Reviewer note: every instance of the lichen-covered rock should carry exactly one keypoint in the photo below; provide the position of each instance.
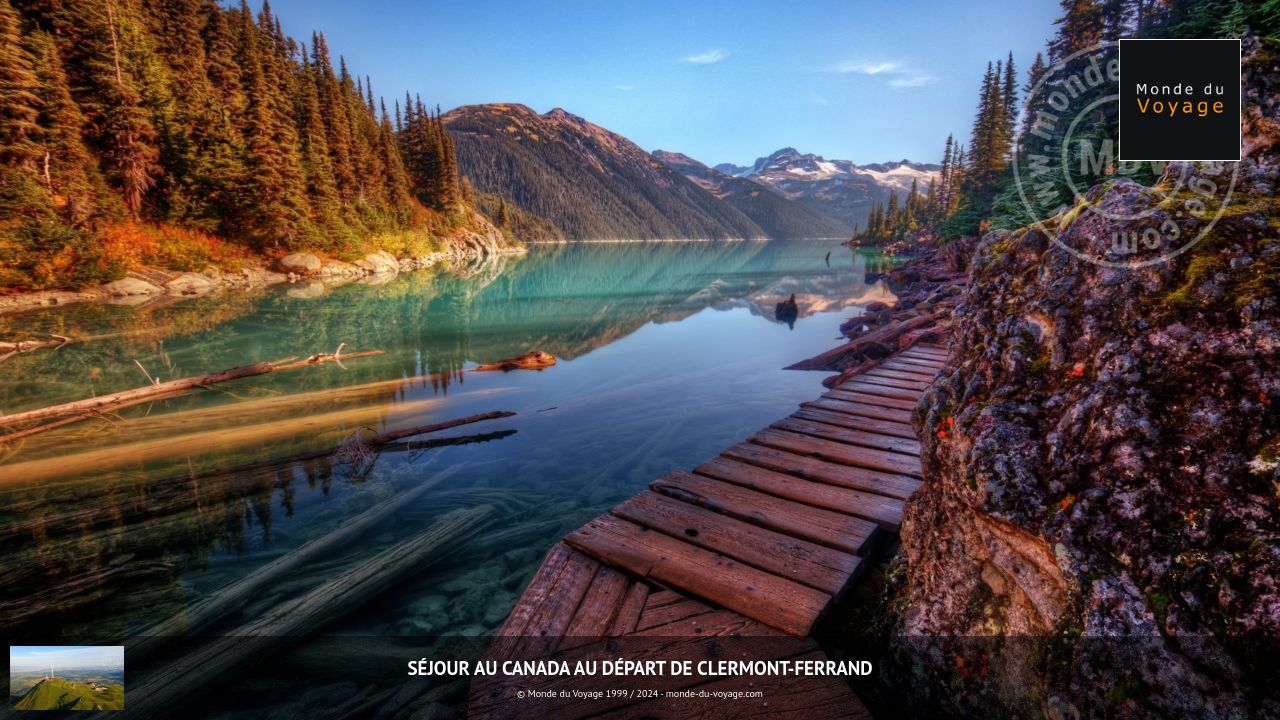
(1099, 530)
(131, 286)
(189, 283)
(299, 263)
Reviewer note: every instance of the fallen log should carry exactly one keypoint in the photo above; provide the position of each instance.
(831, 359)
(233, 597)
(96, 406)
(177, 681)
(9, 348)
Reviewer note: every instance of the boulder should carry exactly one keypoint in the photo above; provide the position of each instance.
(299, 263)
(189, 283)
(131, 286)
(379, 263)
(339, 269)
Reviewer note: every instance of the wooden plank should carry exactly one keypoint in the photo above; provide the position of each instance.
(877, 400)
(630, 610)
(882, 427)
(849, 436)
(874, 481)
(870, 411)
(595, 616)
(548, 624)
(673, 612)
(926, 363)
(774, 601)
(924, 354)
(879, 508)
(917, 370)
(855, 386)
(536, 591)
(795, 519)
(838, 452)
(917, 385)
(889, 372)
(781, 696)
(819, 567)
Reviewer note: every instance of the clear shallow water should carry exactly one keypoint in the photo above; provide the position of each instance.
(668, 353)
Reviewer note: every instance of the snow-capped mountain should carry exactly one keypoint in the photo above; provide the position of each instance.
(837, 188)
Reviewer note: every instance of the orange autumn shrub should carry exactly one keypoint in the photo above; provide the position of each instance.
(132, 244)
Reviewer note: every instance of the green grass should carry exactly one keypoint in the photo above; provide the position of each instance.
(60, 694)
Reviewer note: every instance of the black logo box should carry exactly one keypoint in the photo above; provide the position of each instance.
(1193, 63)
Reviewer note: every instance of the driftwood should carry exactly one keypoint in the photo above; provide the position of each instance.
(96, 406)
(8, 348)
(535, 360)
(176, 682)
(233, 597)
(834, 358)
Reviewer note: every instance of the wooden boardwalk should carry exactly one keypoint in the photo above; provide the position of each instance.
(756, 543)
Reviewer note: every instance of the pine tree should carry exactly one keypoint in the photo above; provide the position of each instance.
(19, 95)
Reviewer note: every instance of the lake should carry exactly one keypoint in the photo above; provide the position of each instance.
(668, 352)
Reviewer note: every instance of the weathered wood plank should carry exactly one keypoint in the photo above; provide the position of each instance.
(774, 601)
(837, 452)
(915, 370)
(927, 363)
(916, 385)
(877, 400)
(536, 591)
(879, 508)
(890, 372)
(853, 408)
(599, 607)
(673, 612)
(550, 621)
(930, 350)
(785, 516)
(849, 436)
(819, 567)
(856, 422)
(630, 610)
(875, 481)
(858, 386)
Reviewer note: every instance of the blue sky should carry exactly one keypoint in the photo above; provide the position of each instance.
(722, 81)
(39, 657)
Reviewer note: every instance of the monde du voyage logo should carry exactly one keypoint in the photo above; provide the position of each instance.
(1177, 107)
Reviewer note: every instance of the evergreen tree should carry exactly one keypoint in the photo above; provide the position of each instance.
(19, 95)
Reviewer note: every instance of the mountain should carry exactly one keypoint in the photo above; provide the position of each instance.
(61, 694)
(775, 214)
(837, 189)
(590, 182)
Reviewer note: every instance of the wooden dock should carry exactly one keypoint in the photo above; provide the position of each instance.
(756, 543)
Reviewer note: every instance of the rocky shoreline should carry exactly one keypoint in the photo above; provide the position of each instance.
(312, 273)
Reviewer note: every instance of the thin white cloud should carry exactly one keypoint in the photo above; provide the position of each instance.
(706, 58)
(821, 101)
(624, 88)
(912, 81)
(867, 68)
(897, 74)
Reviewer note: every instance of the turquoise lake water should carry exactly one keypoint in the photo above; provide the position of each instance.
(668, 352)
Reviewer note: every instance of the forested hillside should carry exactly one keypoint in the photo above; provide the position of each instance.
(589, 182)
(182, 133)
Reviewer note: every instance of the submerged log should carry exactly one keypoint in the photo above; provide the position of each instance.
(176, 682)
(94, 407)
(535, 360)
(233, 597)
